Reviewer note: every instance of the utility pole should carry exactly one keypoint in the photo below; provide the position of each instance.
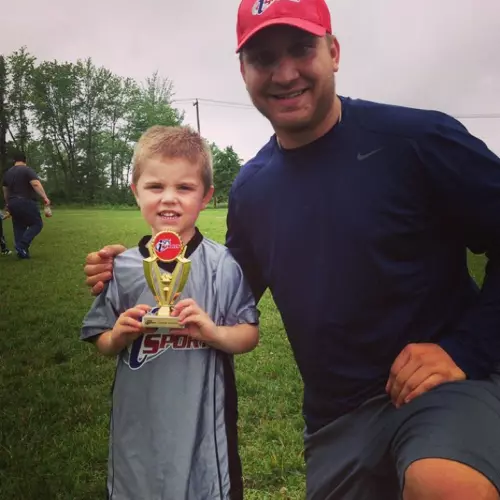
(197, 105)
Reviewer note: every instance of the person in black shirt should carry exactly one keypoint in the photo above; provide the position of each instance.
(21, 185)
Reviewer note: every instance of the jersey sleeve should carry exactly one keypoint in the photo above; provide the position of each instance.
(235, 298)
(103, 313)
(240, 248)
(465, 177)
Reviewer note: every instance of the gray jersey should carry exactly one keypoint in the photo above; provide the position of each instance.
(173, 419)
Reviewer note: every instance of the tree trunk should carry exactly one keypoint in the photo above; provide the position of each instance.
(3, 117)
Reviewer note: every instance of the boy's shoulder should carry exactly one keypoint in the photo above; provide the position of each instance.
(129, 256)
(216, 252)
(128, 264)
(219, 259)
(213, 246)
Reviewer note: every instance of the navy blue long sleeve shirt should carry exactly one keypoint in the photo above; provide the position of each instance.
(362, 238)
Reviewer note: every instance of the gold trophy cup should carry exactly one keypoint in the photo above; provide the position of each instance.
(166, 246)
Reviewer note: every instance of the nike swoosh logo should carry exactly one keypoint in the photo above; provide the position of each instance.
(362, 157)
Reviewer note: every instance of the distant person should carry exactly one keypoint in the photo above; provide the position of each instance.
(3, 244)
(21, 185)
(173, 431)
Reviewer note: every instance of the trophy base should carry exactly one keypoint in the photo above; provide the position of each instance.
(155, 320)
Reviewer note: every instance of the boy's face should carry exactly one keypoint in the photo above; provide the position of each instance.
(170, 194)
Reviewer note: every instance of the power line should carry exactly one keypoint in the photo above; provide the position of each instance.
(210, 102)
(214, 102)
(228, 103)
(485, 115)
(241, 105)
(217, 102)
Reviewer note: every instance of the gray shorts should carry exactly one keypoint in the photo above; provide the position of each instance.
(364, 455)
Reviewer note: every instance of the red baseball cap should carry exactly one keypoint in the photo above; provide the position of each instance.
(312, 16)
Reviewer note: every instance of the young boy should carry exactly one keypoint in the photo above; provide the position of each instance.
(173, 420)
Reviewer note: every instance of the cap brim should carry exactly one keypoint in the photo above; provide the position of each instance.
(314, 29)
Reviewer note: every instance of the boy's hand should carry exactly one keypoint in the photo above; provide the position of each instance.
(128, 327)
(198, 324)
(99, 267)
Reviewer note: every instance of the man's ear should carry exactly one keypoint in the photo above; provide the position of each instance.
(334, 47)
(207, 197)
(242, 67)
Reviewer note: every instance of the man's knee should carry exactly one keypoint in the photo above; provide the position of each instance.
(439, 479)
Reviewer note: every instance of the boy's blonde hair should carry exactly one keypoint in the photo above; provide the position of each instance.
(172, 143)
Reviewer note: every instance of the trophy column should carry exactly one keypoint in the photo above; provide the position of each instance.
(166, 246)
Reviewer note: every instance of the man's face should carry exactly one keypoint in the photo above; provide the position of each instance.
(289, 75)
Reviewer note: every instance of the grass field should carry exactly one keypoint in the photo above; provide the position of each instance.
(54, 389)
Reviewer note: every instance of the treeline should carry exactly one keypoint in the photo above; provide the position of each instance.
(78, 123)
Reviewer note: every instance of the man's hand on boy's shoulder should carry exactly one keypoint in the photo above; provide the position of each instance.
(99, 267)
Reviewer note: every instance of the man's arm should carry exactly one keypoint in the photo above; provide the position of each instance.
(5, 190)
(37, 186)
(469, 182)
(465, 178)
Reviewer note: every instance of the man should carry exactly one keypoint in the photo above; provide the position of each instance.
(357, 216)
(21, 185)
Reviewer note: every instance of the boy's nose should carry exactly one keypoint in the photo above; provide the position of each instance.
(168, 196)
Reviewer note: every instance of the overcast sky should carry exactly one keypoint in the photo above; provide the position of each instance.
(439, 54)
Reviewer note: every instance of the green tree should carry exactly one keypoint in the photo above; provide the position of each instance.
(57, 106)
(78, 125)
(116, 142)
(94, 100)
(152, 105)
(19, 94)
(226, 166)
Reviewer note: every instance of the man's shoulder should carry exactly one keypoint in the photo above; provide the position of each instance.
(251, 169)
(23, 170)
(399, 121)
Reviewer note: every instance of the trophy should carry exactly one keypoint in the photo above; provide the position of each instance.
(166, 246)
